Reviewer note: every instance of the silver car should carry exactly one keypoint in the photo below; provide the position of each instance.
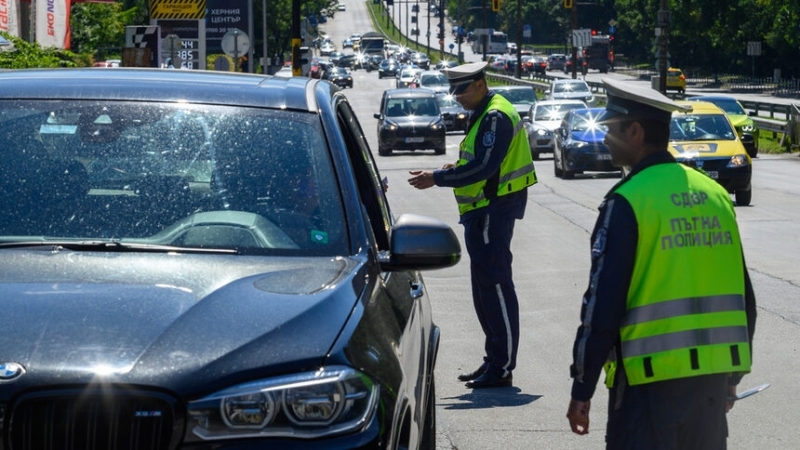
(544, 117)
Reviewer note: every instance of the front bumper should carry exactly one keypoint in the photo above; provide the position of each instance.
(404, 140)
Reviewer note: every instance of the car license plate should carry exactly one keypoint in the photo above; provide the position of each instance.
(604, 156)
(713, 174)
(414, 140)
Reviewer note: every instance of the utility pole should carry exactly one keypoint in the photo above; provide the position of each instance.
(663, 37)
(574, 6)
(518, 69)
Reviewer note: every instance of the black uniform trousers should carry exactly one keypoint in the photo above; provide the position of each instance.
(488, 241)
(682, 414)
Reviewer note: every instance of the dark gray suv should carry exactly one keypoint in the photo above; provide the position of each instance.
(410, 119)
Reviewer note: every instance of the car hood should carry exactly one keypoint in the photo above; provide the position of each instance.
(571, 95)
(706, 149)
(174, 320)
(549, 125)
(590, 136)
(740, 120)
(414, 121)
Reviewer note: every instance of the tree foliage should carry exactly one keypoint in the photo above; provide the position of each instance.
(704, 35)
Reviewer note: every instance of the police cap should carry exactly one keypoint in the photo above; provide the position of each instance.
(629, 101)
(460, 77)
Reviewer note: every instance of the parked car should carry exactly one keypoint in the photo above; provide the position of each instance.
(579, 145)
(676, 80)
(543, 118)
(186, 267)
(566, 88)
(433, 80)
(340, 77)
(741, 119)
(454, 115)
(522, 97)
(409, 119)
(705, 138)
(388, 68)
(556, 61)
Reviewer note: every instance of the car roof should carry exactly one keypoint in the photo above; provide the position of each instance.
(699, 108)
(161, 85)
(559, 102)
(511, 88)
(699, 98)
(408, 93)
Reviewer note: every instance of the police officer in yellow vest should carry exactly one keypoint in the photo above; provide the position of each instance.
(490, 182)
(670, 310)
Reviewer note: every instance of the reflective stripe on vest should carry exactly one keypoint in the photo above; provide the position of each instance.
(516, 171)
(686, 310)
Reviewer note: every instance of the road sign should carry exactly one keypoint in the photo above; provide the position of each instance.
(582, 37)
(526, 31)
(235, 43)
(754, 48)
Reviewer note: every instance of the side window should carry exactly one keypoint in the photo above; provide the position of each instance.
(370, 185)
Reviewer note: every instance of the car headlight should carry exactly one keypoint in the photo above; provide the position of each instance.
(461, 116)
(542, 132)
(308, 405)
(577, 144)
(748, 128)
(391, 126)
(738, 161)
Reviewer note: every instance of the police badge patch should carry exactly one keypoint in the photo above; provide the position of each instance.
(488, 139)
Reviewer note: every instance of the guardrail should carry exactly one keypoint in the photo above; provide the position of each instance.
(786, 128)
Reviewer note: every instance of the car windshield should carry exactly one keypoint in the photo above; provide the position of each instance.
(203, 177)
(730, 106)
(700, 127)
(554, 112)
(519, 96)
(433, 80)
(585, 121)
(420, 106)
(447, 101)
(570, 87)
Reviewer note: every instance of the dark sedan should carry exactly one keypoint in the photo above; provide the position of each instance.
(388, 68)
(454, 115)
(579, 145)
(206, 260)
(409, 119)
(340, 77)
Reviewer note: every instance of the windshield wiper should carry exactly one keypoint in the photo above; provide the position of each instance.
(114, 246)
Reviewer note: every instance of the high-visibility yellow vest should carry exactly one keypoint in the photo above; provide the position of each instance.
(685, 307)
(516, 170)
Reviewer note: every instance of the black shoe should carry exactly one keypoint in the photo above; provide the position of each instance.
(490, 379)
(469, 376)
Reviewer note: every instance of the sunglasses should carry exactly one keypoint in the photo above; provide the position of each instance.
(460, 88)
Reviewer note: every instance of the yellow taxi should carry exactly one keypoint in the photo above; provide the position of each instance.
(676, 81)
(706, 139)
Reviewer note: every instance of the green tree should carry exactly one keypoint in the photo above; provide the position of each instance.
(99, 27)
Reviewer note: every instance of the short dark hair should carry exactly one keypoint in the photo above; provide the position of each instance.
(656, 132)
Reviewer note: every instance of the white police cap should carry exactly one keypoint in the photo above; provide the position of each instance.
(464, 72)
(627, 100)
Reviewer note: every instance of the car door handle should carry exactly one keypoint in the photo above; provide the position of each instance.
(417, 290)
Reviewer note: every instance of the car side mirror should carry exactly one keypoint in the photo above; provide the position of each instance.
(377, 116)
(526, 119)
(419, 242)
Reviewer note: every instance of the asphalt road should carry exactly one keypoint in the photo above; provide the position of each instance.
(551, 248)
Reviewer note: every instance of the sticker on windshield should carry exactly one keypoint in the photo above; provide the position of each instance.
(57, 129)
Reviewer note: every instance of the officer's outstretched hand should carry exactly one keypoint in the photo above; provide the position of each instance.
(578, 415)
(421, 179)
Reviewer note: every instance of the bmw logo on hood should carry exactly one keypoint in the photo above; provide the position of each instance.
(10, 371)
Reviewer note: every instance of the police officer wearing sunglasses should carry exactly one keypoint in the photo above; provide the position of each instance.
(490, 181)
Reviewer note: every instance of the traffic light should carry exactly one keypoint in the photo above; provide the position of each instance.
(612, 38)
(496, 5)
(299, 57)
(460, 39)
(594, 32)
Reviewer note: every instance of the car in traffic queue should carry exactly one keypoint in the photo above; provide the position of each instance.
(534, 65)
(740, 118)
(407, 76)
(409, 119)
(454, 115)
(542, 120)
(556, 61)
(388, 68)
(579, 145)
(705, 138)
(676, 80)
(200, 259)
(570, 89)
(327, 47)
(340, 77)
(421, 60)
(433, 80)
(582, 66)
(521, 96)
